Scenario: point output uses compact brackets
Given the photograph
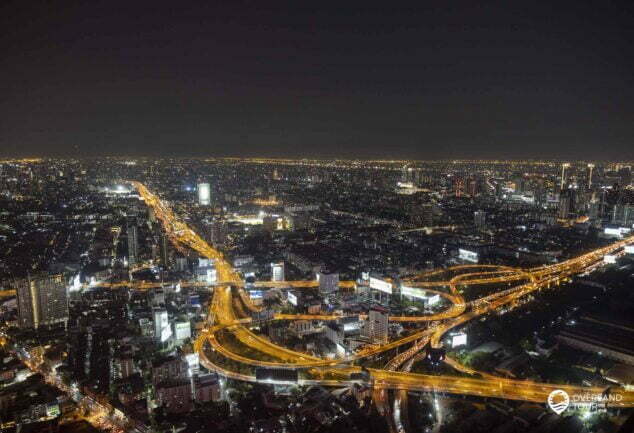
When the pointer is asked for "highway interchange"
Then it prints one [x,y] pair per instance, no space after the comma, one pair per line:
[224,317]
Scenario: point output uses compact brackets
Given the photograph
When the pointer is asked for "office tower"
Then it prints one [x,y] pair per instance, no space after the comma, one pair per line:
[566,203]
[480,219]
[133,240]
[162,328]
[277,271]
[564,166]
[42,300]
[520,184]
[458,186]
[164,244]
[590,168]
[204,194]
[422,215]
[328,282]
[625,174]
[377,325]
[219,233]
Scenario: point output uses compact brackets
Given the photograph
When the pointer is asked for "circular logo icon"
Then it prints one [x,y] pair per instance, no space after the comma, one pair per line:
[558,400]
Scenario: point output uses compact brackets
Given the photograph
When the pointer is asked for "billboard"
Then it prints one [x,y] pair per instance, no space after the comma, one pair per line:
[459,340]
[629,249]
[256,294]
[433,300]
[609,259]
[380,285]
[469,256]
[413,292]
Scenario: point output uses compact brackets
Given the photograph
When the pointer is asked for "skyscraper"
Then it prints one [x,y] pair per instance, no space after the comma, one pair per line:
[564,166]
[480,219]
[133,240]
[566,203]
[377,325]
[204,194]
[164,244]
[42,300]
[277,271]
[219,233]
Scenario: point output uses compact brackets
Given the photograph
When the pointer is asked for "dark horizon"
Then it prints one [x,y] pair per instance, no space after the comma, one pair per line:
[522,81]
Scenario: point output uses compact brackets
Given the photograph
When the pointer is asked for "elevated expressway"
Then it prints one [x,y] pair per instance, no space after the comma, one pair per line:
[222,317]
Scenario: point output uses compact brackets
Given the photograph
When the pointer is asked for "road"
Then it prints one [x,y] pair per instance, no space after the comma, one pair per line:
[222,318]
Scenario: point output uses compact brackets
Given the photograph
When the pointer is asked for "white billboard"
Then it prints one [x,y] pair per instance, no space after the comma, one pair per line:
[433,300]
[629,249]
[256,294]
[459,340]
[380,285]
[469,256]
[609,259]
[413,292]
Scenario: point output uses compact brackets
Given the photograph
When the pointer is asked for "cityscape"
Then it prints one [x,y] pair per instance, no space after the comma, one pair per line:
[271,295]
[301,217]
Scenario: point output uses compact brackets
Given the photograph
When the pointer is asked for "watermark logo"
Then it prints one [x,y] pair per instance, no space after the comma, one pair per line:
[558,400]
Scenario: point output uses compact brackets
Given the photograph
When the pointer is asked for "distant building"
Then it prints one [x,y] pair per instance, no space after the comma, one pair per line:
[218,233]
[328,282]
[182,330]
[376,327]
[42,300]
[133,240]
[123,367]
[566,203]
[162,329]
[170,368]
[277,271]
[204,194]
[480,219]
[175,395]
[423,215]
[300,328]
[207,388]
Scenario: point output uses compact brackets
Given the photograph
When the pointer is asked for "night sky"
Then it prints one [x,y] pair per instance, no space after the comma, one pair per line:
[515,79]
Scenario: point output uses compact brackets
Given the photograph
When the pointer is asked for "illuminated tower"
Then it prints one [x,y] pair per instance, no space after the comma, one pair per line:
[590,167]
[133,241]
[564,166]
[204,195]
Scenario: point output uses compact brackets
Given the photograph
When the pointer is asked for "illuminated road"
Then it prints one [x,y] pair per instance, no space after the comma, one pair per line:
[222,318]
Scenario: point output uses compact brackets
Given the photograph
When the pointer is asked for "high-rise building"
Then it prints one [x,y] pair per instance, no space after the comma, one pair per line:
[162,328]
[204,194]
[423,215]
[480,219]
[133,240]
[277,271]
[218,233]
[42,300]
[590,169]
[564,166]
[376,328]
[328,282]
[164,244]
[625,174]
[566,203]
